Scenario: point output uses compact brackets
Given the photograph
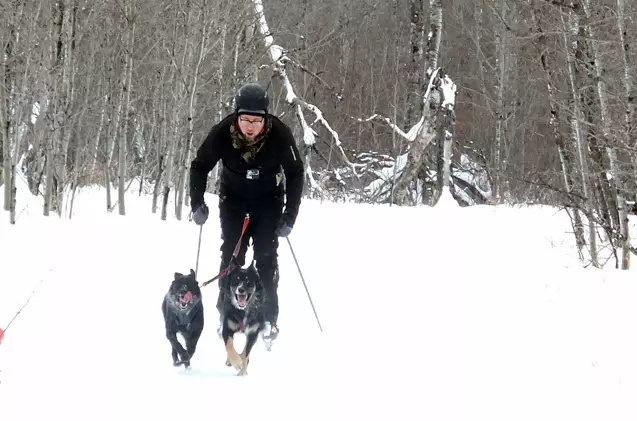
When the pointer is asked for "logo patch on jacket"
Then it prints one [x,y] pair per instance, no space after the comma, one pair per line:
[252,174]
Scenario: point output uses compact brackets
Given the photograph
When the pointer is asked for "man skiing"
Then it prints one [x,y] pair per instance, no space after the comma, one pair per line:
[256,149]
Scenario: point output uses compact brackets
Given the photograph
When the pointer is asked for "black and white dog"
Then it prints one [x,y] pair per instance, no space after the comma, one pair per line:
[242,312]
[183,313]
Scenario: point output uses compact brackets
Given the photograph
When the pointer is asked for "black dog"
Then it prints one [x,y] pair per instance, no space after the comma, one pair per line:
[242,312]
[183,313]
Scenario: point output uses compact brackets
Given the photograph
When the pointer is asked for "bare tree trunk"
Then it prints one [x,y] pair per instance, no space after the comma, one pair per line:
[629,125]
[6,115]
[500,112]
[280,60]
[161,140]
[425,129]
[23,112]
[110,148]
[36,154]
[95,140]
[413,73]
[555,124]
[129,17]
[142,138]
[48,175]
[192,89]
[612,180]
[447,121]
[55,55]
[579,137]
[171,145]
[65,102]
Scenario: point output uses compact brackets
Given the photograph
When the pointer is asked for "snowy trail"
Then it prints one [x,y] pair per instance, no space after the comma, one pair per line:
[467,323]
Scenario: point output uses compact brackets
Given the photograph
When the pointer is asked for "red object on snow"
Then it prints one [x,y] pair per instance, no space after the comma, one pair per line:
[1,335]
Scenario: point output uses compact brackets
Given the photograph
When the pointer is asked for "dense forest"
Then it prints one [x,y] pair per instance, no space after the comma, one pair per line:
[392,101]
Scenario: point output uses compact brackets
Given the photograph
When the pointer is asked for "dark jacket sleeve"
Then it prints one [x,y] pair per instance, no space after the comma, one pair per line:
[207,157]
[294,174]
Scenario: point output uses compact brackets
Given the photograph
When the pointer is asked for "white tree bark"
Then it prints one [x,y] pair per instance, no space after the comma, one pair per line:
[8,107]
[447,125]
[615,175]
[425,129]
[95,141]
[280,59]
[555,124]
[129,17]
[67,90]
[501,83]
[171,144]
[21,114]
[114,128]
[413,73]
[59,86]
[629,126]
[192,91]
[161,141]
[571,26]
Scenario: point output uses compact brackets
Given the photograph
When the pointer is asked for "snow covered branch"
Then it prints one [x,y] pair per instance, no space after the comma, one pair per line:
[280,60]
[391,124]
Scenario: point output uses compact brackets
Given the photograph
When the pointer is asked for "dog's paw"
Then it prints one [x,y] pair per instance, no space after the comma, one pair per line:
[244,365]
[236,361]
[176,363]
[244,370]
[184,358]
[228,363]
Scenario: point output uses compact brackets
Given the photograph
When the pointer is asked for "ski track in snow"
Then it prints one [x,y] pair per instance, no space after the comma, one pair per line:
[445,313]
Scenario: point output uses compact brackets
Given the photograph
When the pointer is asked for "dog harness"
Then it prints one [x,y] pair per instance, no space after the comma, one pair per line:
[224,272]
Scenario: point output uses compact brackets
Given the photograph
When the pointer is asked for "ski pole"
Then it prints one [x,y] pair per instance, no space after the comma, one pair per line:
[198,250]
[304,284]
[3,331]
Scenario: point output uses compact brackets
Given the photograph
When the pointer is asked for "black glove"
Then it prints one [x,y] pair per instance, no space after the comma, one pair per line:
[283,228]
[200,214]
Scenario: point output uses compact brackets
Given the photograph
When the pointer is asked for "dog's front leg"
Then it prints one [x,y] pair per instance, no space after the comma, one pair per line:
[177,348]
[228,338]
[191,346]
[251,339]
[234,358]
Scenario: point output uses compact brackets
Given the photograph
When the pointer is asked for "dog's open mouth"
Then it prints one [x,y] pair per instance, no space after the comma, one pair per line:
[242,300]
[185,299]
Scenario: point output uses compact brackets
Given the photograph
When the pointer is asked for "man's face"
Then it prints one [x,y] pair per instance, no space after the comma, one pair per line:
[250,125]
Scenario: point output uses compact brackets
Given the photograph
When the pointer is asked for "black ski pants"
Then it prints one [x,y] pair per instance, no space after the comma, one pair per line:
[264,216]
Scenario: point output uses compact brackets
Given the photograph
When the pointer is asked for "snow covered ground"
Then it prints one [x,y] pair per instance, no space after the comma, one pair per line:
[428,313]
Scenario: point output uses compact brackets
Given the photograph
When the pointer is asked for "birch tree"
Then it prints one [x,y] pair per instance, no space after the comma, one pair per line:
[576,117]
[198,48]
[563,144]
[129,16]
[540,117]
[425,129]
[500,112]
[628,130]
[8,105]
[279,61]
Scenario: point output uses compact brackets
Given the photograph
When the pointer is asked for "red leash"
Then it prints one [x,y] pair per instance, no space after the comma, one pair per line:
[224,272]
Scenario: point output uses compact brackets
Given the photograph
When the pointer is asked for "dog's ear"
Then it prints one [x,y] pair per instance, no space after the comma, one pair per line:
[253,267]
[192,273]
[178,275]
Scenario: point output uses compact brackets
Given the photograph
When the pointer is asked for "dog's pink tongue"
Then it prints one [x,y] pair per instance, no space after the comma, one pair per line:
[187,298]
[242,299]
